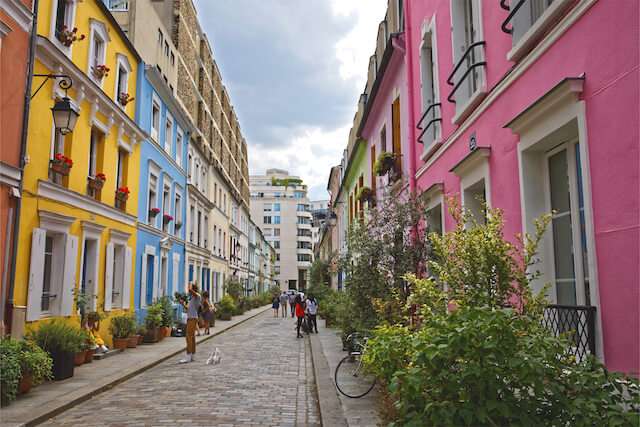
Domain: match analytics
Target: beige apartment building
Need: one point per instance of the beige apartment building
(280, 207)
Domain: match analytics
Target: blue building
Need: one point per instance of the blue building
(160, 252)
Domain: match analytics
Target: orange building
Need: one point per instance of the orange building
(15, 28)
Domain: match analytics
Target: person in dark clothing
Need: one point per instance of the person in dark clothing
(312, 312)
(299, 308)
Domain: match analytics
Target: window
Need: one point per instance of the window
(303, 220)
(532, 19)
(179, 137)
(192, 222)
(97, 51)
(173, 59)
(267, 231)
(304, 245)
(199, 228)
(168, 134)
(94, 157)
(215, 194)
(152, 198)
(267, 207)
(47, 293)
(121, 174)
(276, 244)
(469, 76)
(276, 231)
(383, 139)
(160, 37)
(206, 232)
(276, 207)
(122, 80)
(57, 148)
(276, 220)
(396, 133)
(298, 194)
(166, 208)
(155, 120)
(434, 219)
(277, 256)
(266, 220)
(118, 5)
(166, 49)
(475, 199)
(304, 258)
(64, 11)
(430, 122)
(177, 222)
(215, 238)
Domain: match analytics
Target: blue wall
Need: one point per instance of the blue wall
(154, 158)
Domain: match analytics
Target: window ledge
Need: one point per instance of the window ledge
(428, 151)
(471, 104)
(542, 24)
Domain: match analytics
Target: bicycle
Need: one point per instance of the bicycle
(352, 380)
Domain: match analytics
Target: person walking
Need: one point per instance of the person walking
(284, 299)
(195, 301)
(275, 304)
(299, 309)
(208, 311)
(292, 303)
(312, 312)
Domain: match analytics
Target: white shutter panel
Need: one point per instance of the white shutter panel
(69, 281)
(36, 274)
(155, 279)
(126, 284)
(108, 278)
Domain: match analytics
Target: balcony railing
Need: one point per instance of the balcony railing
(513, 9)
(435, 118)
(470, 59)
(577, 324)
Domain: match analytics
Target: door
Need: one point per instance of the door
(395, 133)
(150, 265)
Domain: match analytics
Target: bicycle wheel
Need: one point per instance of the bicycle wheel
(351, 378)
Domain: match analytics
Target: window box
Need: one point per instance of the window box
(122, 194)
(153, 212)
(96, 182)
(60, 164)
(166, 218)
(100, 71)
(124, 99)
(68, 37)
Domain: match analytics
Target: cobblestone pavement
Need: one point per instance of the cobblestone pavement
(265, 378)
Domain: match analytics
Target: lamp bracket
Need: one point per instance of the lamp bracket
(65, 83)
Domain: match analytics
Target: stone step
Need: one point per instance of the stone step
(109, 353)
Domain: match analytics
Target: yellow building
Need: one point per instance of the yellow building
(73, 234)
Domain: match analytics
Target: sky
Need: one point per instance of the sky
(294, 70)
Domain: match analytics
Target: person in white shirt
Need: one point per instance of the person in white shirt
(312, 312)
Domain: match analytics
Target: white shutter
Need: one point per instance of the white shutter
(154, 296)
(69, 278)
(108, 278)
(36, 274)
(176, 272)
(126, 284)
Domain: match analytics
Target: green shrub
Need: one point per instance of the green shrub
(168, 317)
(58, 336)
(234, 288)
(122, 326)
(226, 307)
(35, 361)
(153, 318)
(10, 370)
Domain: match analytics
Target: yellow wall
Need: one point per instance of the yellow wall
(77, 148)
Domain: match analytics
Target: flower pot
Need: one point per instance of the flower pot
(132, 341)
(120, 343)
(121, 197)
(78, 358)
(25, 384)
(62, 365)
(167, 331)
(151, 336)
(88, 355)
(95, 184)
(140, 339)
(60, 168)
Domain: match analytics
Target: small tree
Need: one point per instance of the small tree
(233, 288)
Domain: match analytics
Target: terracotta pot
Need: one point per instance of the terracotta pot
(132, 342)
(140, 339)
(96, 184)
(25, 383)
(120, 343)
(60, 168)
(78, 358)
(88, 355)
(152, 336)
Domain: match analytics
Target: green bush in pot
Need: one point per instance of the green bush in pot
(121, 327)
(61, 340)
(10, 371)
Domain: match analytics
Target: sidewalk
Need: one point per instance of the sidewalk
(90, 379)
(335, 409)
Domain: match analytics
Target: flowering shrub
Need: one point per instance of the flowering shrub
(167, 218)
(100, 71)
(123, 190)
(60, 158)
(100, 176)
(154, 211)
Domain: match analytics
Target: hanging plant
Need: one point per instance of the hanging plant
(386, 161)
(68, 37)
(365, 194)
(153, 212)
(166, 218)
(97, 182)
(122, 194)
(124, 98)
(100, 71)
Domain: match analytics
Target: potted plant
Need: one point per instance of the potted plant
(386, 162)
(60, 164)
(166, 218)
(226, 308)
(100, 71)
(141, 331)
(120, 329)
(97, 182)
(124, 98)
(153, 212)
(35, 365)
(152, 322)
(62, 341)
(89, 347)
(133, 332)
(167, 315)
(122, 194)
(365, 194)
(67, 37)
(177, 225)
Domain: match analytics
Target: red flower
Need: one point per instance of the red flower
(167, 217)
(59, 157)
(154, 210)
(123, 190)
(101, 176)
(68, 161)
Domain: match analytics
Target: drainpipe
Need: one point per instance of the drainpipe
(23, 149)
(408, 27)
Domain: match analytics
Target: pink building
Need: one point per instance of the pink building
(532, 105)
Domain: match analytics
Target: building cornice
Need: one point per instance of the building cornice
(18, 12)
(10, 175)
(60, 194)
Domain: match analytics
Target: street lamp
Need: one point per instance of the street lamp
(65, 113)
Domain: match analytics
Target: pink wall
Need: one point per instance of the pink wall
(602, 44)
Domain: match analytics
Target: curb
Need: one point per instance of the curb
(52, 413)
(331, 411)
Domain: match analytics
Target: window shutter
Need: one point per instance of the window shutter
(176, 272)
(108, 278)
(126, 283)
(155, 278)
(69, 281)
(36, 274)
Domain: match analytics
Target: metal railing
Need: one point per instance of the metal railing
(512, 12)
(577, 324)
(434, 120)
(471, 67)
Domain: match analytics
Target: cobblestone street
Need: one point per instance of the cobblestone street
(265, 379)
